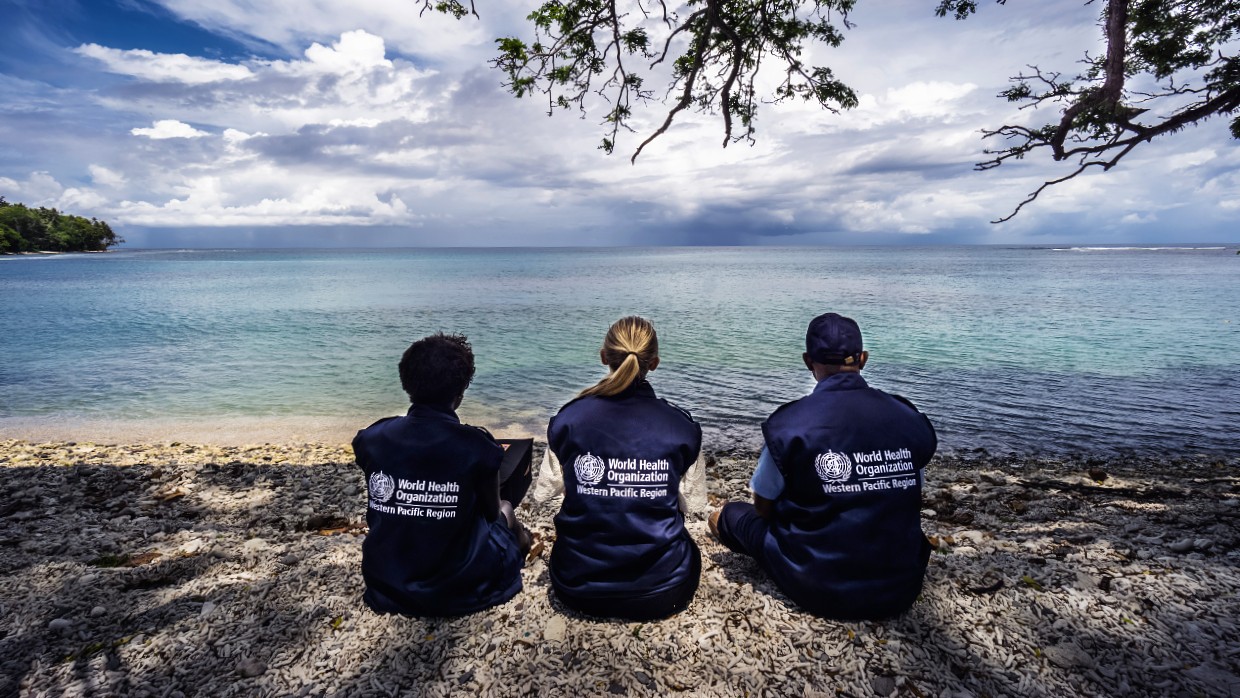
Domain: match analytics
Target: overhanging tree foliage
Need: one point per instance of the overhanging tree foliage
(1169, 64)
(714, 49)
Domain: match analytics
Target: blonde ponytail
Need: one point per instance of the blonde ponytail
(629, 349)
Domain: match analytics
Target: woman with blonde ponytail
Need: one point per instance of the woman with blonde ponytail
(630, 350)
(621, 547)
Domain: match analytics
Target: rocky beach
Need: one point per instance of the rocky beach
(178, 569)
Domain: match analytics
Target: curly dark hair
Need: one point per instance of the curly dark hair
(437, 369)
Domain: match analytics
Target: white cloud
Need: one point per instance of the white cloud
(232, 135)
(350, 82)
(927, 99)
(362, 122)
(1139, 218)
(432, 37)
(42, 189)
(1191, 160)
(880, 217)
(919, 106)
(169, 128)
(267, 196)
(356, 52)
(75, 200)
(164, 67)
(38, 189)
(106, 177)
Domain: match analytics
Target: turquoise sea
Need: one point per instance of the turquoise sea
(1032, 350)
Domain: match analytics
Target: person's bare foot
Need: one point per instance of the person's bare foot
(713, 521)
(536, 546)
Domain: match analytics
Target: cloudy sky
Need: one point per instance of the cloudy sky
(325, 123)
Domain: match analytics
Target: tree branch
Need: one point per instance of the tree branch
(686, 97)
(1167, 41)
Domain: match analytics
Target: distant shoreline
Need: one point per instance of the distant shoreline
(37, 253)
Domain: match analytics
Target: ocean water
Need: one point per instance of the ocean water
(1031, 350)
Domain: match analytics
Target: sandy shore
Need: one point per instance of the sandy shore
(177, 570)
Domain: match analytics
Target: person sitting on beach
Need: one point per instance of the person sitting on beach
(836, 518)
(441, 541)
(621, 547)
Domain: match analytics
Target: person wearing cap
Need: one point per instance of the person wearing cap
(441, 541)
(836, 517)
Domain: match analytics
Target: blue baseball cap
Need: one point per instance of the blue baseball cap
(833, 339)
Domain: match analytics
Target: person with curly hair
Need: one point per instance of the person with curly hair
(441, 541)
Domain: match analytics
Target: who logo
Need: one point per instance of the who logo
(833, 467)
(589, 469)
(381, 486)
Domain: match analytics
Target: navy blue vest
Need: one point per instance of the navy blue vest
(619, 532)
(847, 527)
(430, 550)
